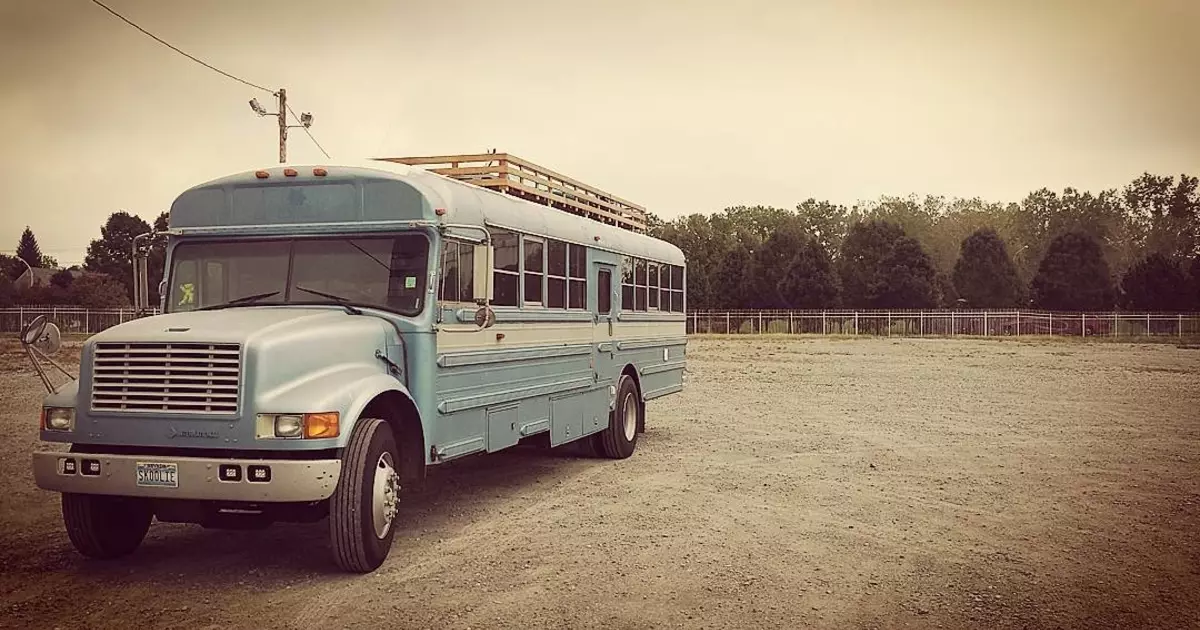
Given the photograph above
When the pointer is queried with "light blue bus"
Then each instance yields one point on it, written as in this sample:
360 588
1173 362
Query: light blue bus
330 332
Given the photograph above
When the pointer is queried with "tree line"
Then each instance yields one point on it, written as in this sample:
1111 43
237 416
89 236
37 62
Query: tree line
1136 248
105 280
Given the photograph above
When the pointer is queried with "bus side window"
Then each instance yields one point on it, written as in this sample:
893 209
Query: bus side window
604 292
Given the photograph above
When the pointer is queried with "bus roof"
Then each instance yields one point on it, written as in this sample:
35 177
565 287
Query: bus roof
462 203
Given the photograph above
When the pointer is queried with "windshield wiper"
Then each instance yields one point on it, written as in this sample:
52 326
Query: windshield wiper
242 300
345 303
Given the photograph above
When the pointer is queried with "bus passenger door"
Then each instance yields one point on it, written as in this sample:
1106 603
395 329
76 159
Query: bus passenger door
603 341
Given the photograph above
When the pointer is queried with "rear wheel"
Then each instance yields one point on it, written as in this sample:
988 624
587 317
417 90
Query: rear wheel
362 510
102 526
619 440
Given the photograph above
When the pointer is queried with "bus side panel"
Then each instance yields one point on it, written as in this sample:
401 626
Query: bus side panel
573 416
509 383
660 368
657 351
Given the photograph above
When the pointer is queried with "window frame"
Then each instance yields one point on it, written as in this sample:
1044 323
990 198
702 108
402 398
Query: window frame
286 293
541 275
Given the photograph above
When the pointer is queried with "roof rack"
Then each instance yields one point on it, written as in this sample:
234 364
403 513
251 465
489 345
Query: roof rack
512 175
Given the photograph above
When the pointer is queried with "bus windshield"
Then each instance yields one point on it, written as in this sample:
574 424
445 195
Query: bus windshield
388 272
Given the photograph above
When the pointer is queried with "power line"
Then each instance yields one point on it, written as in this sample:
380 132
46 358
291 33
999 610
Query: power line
309 133
222 72
157 39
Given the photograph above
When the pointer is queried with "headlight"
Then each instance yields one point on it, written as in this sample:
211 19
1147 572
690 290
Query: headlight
289 426
58 418
297 426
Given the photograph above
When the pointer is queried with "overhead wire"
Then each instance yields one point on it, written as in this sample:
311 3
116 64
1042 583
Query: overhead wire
209 66
310 136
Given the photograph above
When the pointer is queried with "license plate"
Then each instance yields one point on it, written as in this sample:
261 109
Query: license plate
157 475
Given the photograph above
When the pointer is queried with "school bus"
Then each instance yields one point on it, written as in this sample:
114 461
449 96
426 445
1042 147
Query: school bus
330 332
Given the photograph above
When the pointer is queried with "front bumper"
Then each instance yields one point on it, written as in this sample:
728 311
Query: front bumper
194 477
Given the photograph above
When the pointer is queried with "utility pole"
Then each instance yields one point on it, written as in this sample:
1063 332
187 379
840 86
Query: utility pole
283 126
281 101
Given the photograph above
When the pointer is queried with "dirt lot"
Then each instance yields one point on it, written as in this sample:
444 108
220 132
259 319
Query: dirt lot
796 483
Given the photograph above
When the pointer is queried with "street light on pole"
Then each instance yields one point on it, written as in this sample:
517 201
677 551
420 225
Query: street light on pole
306 120
23 262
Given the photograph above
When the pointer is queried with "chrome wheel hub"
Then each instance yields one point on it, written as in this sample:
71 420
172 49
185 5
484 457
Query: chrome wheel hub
385 496
631 416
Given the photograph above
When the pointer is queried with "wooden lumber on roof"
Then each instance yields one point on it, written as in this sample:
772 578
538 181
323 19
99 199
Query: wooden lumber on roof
512 175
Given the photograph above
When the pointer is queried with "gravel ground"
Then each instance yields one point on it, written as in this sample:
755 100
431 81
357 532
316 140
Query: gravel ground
867 483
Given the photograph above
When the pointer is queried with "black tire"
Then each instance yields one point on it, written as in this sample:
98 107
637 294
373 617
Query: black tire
613 442
105 527
356 547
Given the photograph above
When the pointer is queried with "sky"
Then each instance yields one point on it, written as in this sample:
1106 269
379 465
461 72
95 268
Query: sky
680 106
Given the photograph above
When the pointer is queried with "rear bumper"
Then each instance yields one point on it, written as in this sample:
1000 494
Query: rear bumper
195 477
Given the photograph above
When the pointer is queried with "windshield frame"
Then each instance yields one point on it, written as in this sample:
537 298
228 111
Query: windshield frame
287 290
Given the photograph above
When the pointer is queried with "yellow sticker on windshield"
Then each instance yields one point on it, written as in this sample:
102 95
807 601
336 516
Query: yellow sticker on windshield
187 293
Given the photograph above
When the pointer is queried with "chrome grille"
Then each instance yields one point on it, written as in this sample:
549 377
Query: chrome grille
198 378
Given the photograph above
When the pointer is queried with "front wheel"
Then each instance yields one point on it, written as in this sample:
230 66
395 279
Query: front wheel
619 440
105 527
362 510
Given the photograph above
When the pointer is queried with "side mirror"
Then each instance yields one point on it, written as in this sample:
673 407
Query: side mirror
484 256
33 330
40 340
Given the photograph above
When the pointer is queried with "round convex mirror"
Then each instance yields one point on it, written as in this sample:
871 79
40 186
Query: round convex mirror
33 330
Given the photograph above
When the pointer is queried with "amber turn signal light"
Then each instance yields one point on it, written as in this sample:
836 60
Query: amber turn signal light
321 425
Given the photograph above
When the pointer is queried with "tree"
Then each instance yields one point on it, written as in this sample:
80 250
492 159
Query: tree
1194 275
906 278
862 253
985 275
28 250
7 292
734 276
1073 276
96 290
1155 283
825 222
1166 213
62 279
112 253
11 267
705 248
881 267
793 270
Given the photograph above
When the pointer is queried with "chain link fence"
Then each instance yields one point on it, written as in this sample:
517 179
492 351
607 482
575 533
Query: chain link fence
944 323
82 321
69 319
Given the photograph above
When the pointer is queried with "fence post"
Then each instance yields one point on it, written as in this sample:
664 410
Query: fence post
1018 323
1179 326
889 324
1083 324
985 325
953 325
856 323
1051 324
760 330
922 318
1115 322
823 329
87 322
1147 324
726 322
791 316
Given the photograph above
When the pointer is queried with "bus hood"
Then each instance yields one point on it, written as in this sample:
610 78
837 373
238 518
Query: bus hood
228 325
134 391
